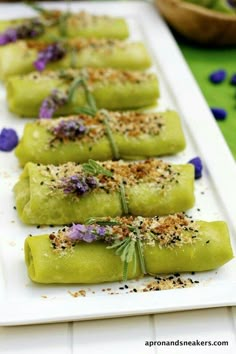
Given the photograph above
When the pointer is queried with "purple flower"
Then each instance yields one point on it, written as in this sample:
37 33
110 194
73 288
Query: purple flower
69 129
50 104
8 139
32 29
86 233
218 76
219 113
53 52
196 161
80 232
233 80
79 184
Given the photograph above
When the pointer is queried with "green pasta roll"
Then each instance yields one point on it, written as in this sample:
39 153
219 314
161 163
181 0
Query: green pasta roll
23 57
64 91
48 194
108 135
117 249
54 24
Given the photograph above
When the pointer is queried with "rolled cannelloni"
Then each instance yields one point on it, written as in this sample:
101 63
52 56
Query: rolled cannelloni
48 194
111 89
127 248
60 24
23 57
80 138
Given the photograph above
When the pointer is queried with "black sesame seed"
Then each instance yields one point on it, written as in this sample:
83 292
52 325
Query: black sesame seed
135 290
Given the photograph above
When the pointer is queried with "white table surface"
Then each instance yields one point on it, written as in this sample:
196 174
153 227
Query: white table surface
126 335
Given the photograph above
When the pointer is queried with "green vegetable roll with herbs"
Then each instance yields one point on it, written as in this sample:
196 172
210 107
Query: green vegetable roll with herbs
108 135
57 24
48 194
63 92
23 57
127 248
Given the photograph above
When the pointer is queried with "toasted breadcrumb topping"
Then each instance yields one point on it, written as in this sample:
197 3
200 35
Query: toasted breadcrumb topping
167 231
107 75
81 44
130 124
156 173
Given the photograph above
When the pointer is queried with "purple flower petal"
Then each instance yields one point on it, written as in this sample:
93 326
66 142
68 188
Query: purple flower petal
86 233
196 161
8 139
70 129
30 29
219 113
51 103
233 80
53 52
218 76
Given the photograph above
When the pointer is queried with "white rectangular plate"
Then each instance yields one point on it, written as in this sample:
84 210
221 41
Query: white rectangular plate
21 301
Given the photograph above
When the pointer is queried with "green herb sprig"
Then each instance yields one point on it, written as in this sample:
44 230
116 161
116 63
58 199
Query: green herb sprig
93 168
91 109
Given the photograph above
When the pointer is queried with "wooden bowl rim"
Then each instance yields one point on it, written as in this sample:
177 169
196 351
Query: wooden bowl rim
202 10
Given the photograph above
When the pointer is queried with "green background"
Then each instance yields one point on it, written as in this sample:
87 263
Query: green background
203 61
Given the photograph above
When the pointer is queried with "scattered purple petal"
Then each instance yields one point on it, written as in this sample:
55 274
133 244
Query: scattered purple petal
86 233
219 113
50 104
51 53
8 139
233 80
218 76
32 29
69 129
196 161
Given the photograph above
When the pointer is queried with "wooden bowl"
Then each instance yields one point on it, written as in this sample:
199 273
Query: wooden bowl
198 23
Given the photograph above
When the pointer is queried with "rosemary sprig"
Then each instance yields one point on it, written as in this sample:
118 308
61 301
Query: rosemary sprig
140 256
74 85
126 250
91 109
93 168
111 139
123 198
102 222
85 110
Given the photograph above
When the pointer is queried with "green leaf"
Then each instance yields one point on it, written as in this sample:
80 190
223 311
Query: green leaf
116 244
95 169
115 150
140 256
77 82
131 251
101 222
85 110
124 203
